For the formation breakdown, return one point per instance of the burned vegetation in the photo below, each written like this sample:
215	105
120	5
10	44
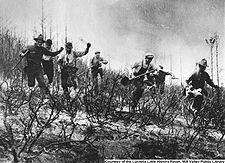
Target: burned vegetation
95	125
91	127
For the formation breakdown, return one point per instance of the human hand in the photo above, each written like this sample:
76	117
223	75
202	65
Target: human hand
104	62
61	49
23	53
88	44
216	87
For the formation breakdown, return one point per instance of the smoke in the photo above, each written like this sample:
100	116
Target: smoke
124	30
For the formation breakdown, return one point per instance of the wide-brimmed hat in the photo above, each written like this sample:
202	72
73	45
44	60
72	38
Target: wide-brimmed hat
69	45
203	62
40	37
149	56
48	42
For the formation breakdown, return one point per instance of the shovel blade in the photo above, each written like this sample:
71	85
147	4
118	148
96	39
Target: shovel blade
125	81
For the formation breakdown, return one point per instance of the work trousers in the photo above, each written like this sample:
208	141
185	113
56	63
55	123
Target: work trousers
139	89
36	73
48	68
95	72
68	78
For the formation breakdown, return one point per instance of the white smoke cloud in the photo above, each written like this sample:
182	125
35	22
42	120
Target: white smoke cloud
123	30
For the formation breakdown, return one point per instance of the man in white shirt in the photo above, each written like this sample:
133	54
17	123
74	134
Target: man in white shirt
67	62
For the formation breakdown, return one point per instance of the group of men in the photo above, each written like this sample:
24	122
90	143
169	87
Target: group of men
145	73
39	61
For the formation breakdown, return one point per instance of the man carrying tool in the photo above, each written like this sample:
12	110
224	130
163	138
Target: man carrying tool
143	69
96	68
68	68
47	62
196	84
33	55
160	79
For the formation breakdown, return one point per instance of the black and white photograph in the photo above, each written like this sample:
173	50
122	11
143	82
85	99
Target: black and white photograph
112	81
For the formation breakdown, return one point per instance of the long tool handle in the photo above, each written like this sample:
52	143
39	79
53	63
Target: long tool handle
143	74
19	60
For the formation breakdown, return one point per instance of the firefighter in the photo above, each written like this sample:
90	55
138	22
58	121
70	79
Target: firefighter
33	55
96	68
138	69
47	62
160	79
196	85
68	67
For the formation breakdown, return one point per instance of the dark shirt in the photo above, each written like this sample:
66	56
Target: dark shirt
97	62
35	54
198	80
142	67
161	76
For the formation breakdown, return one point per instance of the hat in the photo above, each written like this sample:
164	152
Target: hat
48	42
40	37
97	52
149	55
69	45
203	62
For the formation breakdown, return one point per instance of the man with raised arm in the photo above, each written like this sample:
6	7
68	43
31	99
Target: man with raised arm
68	67
33	55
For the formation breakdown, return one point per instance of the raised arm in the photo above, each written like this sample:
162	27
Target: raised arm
81	54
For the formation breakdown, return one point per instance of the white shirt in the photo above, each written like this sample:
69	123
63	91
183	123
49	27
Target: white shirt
71	58
47	58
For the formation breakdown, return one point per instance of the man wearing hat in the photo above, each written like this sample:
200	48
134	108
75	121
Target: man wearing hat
160	79
196	83
68	67
96	68
33	55
138	69
47	62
